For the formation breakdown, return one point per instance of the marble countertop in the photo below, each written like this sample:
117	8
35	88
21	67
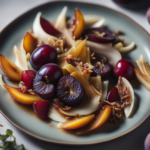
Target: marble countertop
9	10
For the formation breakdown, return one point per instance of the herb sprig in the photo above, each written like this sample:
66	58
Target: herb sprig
10	144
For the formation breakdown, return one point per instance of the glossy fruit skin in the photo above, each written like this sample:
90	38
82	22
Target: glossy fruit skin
41	108
44	82
124	68
44	90
147	142
108	38
42	55
48	28
70	91
27	77
113	95
52	71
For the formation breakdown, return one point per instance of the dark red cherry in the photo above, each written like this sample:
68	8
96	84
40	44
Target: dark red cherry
70	91
27	77
42	55
124	68
44	82
113	95
48	28
99	35
50	72
41	108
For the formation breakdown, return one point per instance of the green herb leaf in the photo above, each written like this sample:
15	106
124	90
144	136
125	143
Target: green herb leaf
8	145
20	147
9	132
4	137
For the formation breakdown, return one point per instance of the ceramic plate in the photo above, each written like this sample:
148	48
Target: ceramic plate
24	118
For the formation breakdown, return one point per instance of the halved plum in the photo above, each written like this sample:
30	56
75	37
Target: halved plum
101	67
70	91
100	35
45	79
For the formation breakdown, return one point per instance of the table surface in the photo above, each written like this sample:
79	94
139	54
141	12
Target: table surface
9	10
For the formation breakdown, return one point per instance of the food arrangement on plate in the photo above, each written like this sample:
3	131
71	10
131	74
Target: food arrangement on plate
62	69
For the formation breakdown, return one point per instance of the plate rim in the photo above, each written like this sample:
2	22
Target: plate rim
71	143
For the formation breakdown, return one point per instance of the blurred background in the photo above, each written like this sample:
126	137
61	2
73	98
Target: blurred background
136	9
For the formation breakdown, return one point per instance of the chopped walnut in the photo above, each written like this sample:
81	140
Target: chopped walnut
72	30
58	104
92	56
1	125
117	32
118	107
117	111
22	87
58	45
100	65
74	61
39	43
84	68
124	94
31	92
79	116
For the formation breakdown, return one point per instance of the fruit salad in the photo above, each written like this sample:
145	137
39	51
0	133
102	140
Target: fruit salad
63	69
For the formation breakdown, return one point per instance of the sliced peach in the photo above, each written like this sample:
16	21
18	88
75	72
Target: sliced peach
79	23
100	118
76	123
29	43
10	69
24	98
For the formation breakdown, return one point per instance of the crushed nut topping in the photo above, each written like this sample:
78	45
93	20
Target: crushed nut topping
92	56
31	92
117	32
72	30
84	68
57	104
79	116
74	61
117	114
22	87
39	43
124	94
118	107
100	65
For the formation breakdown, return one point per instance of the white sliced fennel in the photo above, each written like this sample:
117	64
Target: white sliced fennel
104	90
2	82
93	21
70	41
128	110
110	53
121	49
142	72
39	32
96	82
21	60
60	23
55	115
